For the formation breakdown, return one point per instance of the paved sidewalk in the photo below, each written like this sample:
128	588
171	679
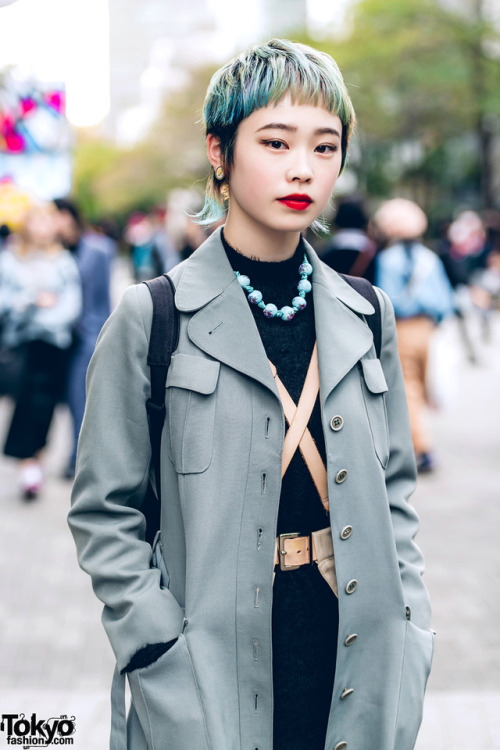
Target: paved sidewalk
55	659
459	508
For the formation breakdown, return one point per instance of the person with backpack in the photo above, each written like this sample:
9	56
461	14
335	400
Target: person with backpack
281	604
416	282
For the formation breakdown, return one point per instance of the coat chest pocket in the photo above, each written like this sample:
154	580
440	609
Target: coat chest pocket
190	401
374	387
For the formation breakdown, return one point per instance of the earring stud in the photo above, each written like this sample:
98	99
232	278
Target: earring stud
219	174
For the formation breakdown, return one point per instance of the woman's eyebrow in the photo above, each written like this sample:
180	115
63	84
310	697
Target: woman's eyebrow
278	126
327	131
294	128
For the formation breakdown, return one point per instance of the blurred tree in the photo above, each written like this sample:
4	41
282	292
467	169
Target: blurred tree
93	158
422	75
113	181
424	80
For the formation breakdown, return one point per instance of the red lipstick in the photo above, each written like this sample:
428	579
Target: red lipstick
296	201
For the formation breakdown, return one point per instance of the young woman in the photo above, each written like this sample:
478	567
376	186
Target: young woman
40	301
290	612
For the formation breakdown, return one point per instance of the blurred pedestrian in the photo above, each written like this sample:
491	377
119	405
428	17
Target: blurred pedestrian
40	301
96	236
162	238
483	283
241	628
463	252
147	247
93	255
192	238
4	235
351	250
490	278
109	229
415	280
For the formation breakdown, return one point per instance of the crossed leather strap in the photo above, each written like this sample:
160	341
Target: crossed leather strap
316	546
298	435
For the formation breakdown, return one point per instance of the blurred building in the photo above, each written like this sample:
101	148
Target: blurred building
154	42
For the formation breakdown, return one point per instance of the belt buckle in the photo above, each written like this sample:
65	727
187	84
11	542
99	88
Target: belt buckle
283	552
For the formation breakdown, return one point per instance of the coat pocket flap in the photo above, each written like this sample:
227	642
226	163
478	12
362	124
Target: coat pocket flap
193	373
374	375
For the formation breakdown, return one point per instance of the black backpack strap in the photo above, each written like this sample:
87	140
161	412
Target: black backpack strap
162	342
363	287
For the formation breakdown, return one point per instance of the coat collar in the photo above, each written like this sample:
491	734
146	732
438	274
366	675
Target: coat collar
210	264
223	325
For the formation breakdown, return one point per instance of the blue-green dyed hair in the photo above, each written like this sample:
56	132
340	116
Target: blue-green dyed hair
260	76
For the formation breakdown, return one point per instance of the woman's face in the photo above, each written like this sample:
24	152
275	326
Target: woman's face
40	227
287	158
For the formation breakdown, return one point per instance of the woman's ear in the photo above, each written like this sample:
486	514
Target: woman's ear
214	150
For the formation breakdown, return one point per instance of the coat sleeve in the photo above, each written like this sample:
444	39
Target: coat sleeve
401	474
113	463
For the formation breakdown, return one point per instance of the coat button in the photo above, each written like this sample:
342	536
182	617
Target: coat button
346	532
351	586
346	693
340	746
350	639
408	613
341	476
337	422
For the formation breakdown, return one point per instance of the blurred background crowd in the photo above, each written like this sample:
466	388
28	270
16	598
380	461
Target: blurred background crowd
55	294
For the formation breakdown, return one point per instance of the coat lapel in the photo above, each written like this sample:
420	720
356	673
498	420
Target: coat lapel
342	336
223	326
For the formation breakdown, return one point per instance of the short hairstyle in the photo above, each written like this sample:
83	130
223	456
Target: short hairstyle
260	76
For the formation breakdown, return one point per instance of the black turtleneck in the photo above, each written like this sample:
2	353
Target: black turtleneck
305	612
289	346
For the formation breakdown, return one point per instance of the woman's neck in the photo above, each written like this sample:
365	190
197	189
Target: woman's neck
260	243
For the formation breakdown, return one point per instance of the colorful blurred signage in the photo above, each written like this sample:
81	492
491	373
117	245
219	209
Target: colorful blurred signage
35	138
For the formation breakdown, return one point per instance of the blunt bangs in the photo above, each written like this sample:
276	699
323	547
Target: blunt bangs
265	74
262	76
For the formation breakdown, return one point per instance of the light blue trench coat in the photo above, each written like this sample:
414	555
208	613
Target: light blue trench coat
221	479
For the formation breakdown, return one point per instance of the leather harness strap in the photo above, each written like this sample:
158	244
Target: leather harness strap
298	434
294	550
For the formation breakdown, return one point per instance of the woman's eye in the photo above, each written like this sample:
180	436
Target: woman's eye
277	145
326	149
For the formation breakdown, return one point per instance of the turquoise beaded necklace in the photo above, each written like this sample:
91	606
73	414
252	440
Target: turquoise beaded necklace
270	310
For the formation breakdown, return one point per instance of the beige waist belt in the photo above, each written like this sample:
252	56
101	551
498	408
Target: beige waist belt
294	550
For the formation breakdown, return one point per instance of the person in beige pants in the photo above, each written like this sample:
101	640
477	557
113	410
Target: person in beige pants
415	280
414	335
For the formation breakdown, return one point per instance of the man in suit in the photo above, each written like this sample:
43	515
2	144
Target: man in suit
94	264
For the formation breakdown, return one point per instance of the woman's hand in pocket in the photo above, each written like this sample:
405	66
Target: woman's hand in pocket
148	655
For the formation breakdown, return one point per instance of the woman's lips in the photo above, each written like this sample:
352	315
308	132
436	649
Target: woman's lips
296	202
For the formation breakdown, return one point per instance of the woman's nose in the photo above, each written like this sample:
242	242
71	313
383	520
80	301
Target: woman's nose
299	169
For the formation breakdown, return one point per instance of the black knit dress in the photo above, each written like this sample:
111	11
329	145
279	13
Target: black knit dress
305	610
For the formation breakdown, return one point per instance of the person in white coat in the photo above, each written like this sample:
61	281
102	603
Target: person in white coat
40	301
